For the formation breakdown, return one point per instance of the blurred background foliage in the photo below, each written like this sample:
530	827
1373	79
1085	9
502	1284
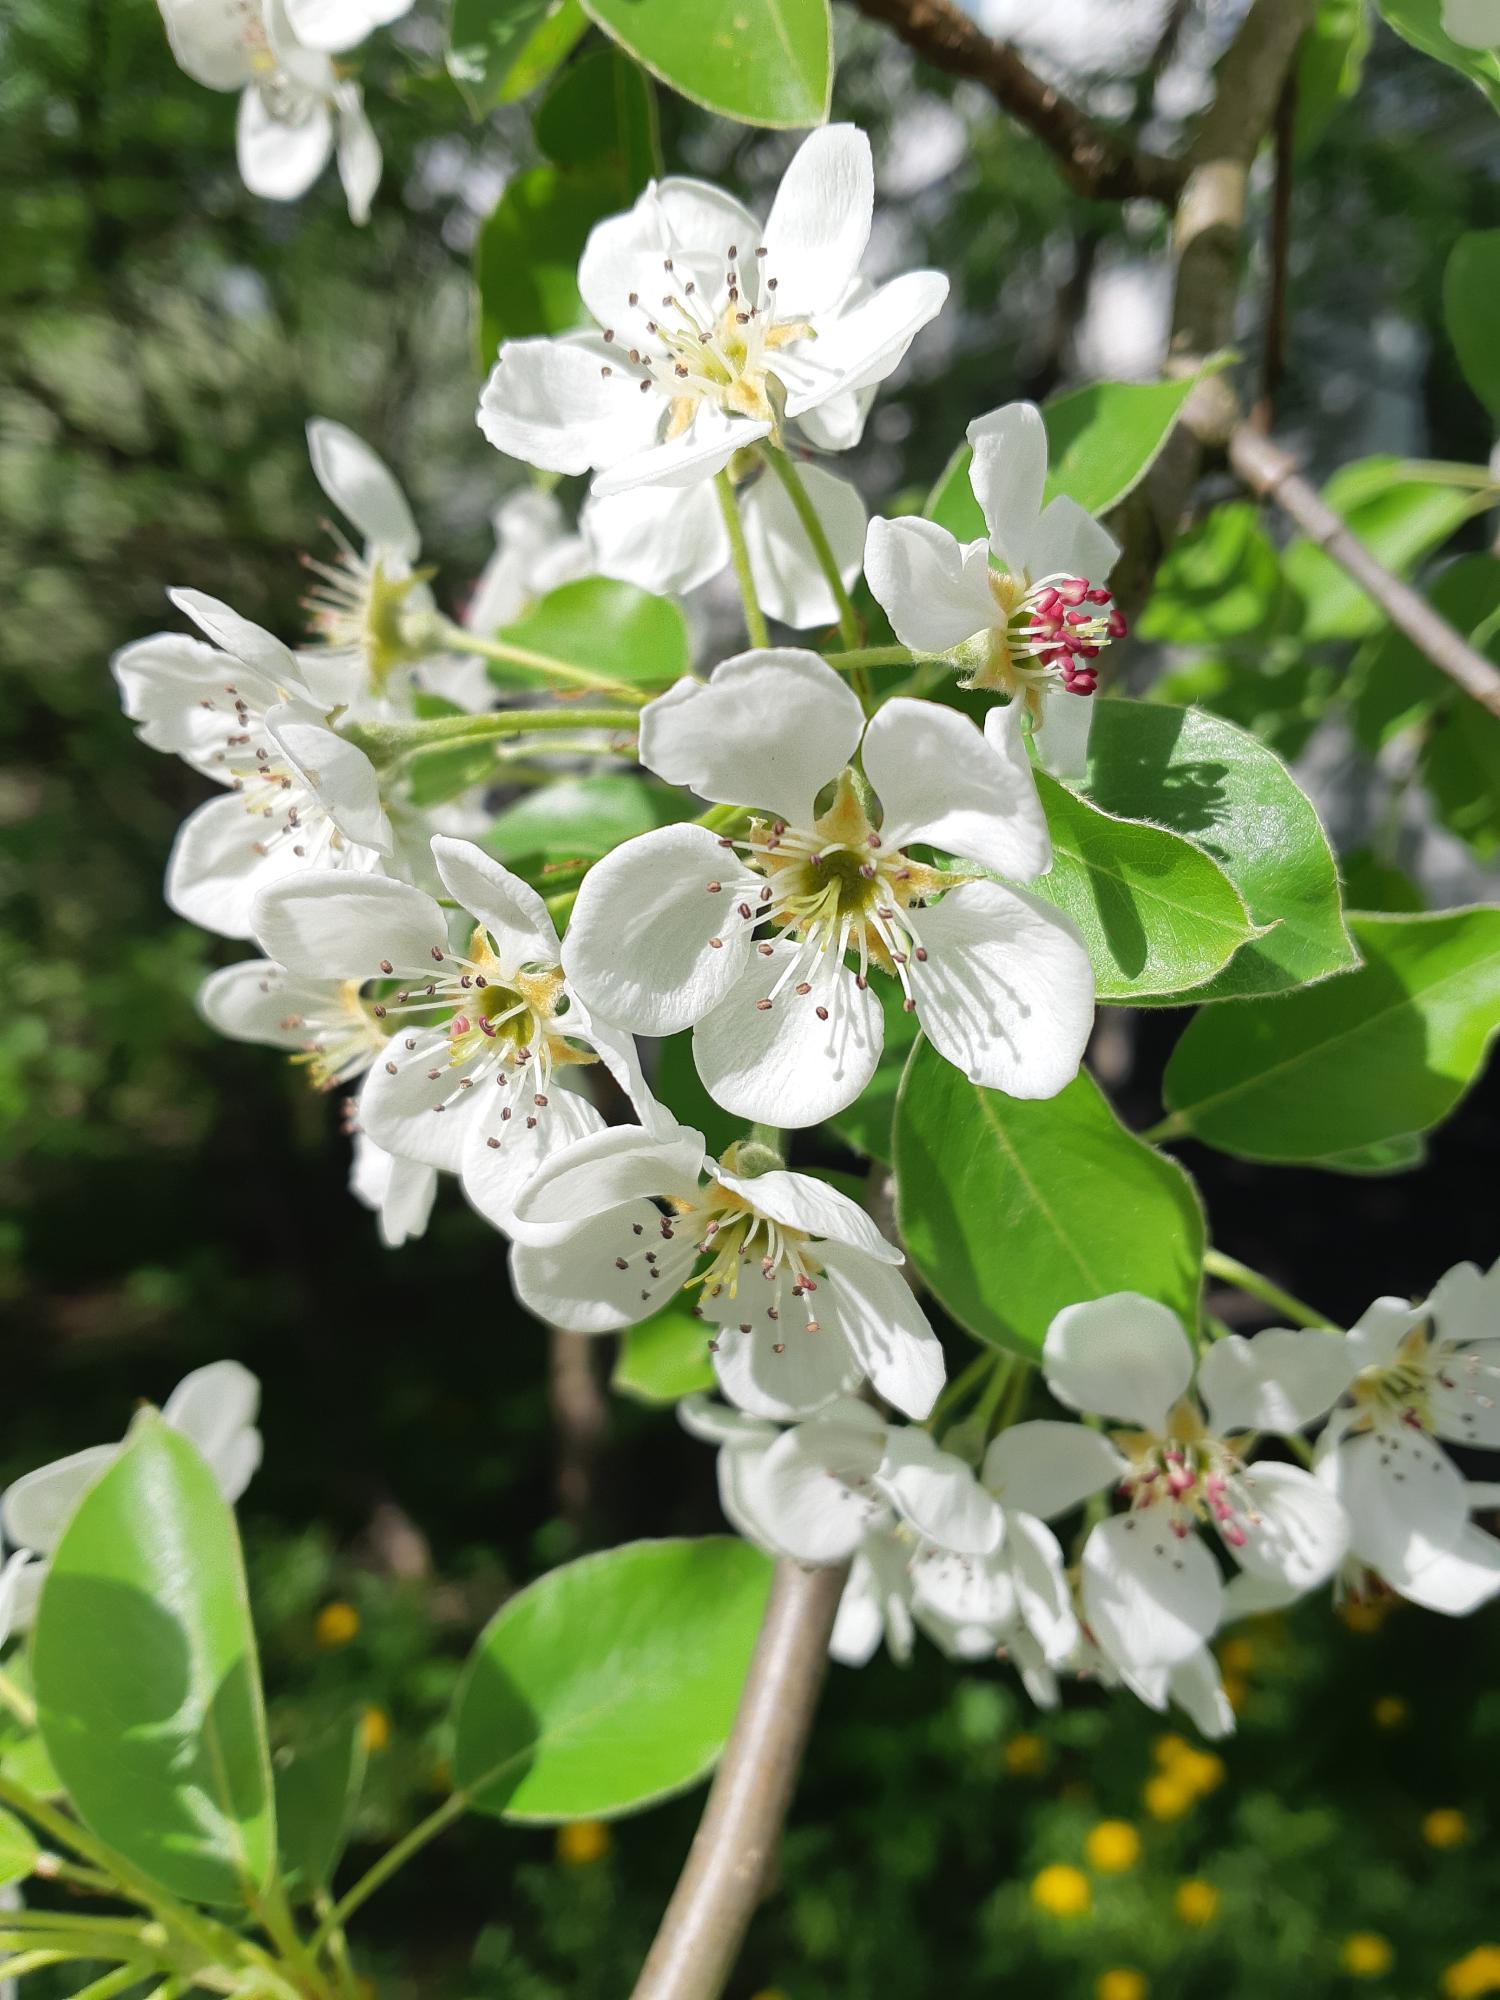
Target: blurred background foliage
169	1198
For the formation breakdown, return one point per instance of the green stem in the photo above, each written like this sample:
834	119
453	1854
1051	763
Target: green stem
393	1859
1244	1279
16	1699
955	1391
872	656
338	1948
1173	1126
118	1981
851	629
996	1392
461	641
32	1961
739	555
392	742
275	1914
771	1137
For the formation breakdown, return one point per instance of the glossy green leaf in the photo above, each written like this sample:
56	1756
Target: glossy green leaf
1471	287
680	1088
610	1683
147	1682
664	1358
765	62
866	1123
1420	22
1277	693
18	1851
1402	512
1102	440
1371	883
1012	1209
601	114
1203	778
1158	916
1220	581
1401	1155
317	1791
612	628
498	50
1379	1053
1329	65
581	819
526	258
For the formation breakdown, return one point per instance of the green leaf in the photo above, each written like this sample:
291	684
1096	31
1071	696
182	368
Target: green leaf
1402	512
317	1791
498	50
680	1088
1220	581
1471	285
1012	1209
664	1358
1158	916
18	1851
765	62
610	1683
1329	65
1390	1156
601	114
1373	884
1102	440
1420	22
611	627
1380	1053
1201	777
147	1682
526	258
866	1123
582	819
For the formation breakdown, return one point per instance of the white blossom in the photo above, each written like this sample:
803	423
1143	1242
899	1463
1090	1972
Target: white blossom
1024	610
714	331
1473	23
485	1037
399	1193
535	552
746	939
802	1293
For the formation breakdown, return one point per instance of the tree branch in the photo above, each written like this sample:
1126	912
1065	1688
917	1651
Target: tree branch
1093	161
710	1911
1272	473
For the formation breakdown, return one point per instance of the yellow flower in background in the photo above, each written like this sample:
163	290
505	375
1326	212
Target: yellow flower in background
1196	1902
1112	1846
1445	1826
1025	1755
1120	1983
336	1625
1474	1975
582	1842
1238	1656
374	1729
1168	1748
1165	1798
1366	1955
1061	1891
1236	1691
1366	1614
1389	1711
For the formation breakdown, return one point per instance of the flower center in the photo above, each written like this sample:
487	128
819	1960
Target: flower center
1400	1390
694	350
341	1044
360	607
1048	635
274	794
1190	1474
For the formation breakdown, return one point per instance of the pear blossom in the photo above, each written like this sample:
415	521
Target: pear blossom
213	1407
714	331
535	551
296	110
746	938
667	539
1026	610
399	1193
802	1294
484	1036
1473	23
241	711
1151	1590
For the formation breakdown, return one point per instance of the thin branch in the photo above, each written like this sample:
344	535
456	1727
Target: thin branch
1272	473
1273	359
722	1881
1095	162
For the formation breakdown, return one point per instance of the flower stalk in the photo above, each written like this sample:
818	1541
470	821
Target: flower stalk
739	554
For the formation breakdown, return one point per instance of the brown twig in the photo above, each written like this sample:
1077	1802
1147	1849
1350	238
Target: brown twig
1095	162
1271	472
1273	359
710	1911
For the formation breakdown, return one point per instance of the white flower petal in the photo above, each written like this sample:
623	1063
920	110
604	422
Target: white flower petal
172	688
1151	1597
863	345
819	223
255	1001
885	1328
800	1201
788	578
1379	1331
718	1423
622	1164
934	589
241	638
937	1494
1457	1580
1298	1532
326	924
1062	737
943	783
335	25
363	488
399	1102
575	1281
667	539
1403	1495
1195	1687
511	910
640	948
782	1065
400	1192
1463	1396
766	730
546	402
281	157
218	867
207	42
1070	542
1464	1304
1008	474
875	1605
214	1407
1006	991
40	1504
338	774
503	1155
694	455
690	221
1124	1356
1047	1468
808	1372
1043	1597
1278	1381
965	1591
808	1493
